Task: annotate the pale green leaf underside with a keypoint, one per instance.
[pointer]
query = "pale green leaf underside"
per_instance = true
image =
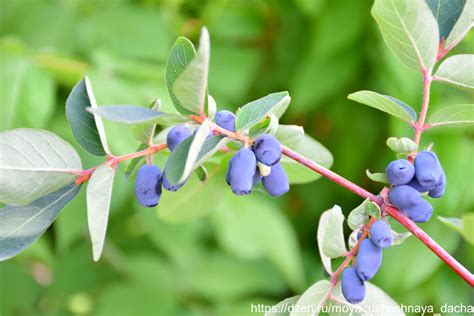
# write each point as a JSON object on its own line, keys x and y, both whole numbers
{"x": 457, "y": 70}
{"x": 410, "y": 31}
{"x": 34, "y": 163}
{"x": 377, "y": 176}
{"x": 331, "y": 234}
{"x": 131, "y": 114}
{"x": 99, "y": 194}
{"x": 358, "y": 216}
{"x": 454, "y": 115}
{"x": 290, "y": 135}
{"x": 312, "y": 299}
{"x": 283, "y": 308}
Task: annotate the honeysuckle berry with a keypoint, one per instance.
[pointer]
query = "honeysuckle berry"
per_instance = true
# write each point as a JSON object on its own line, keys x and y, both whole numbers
{"x": 439, "y": 189}
{"x": 400, "y": 171}
{"x": 226, "y": 120}
{"x": 419, "y": 213}
{"x": 241, "y": 171}
{"x": 404, "y": 196}
{"x": 267, "y": 149}
{"x": 380, "y": 234}
{"x": 172, "y": 187}
{"x": 369, "y": 260}
{"x": 416, "y": 185}
{"x": 176, "y": 135}
{"x": 276, "y": 183}
{"x": 353, "y": 288}
{"x": 428, "y": 170}
{"x": 148, "y": 185}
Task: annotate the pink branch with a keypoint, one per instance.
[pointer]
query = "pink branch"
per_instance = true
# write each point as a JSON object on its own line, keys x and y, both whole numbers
{"x": 420, "y": 125}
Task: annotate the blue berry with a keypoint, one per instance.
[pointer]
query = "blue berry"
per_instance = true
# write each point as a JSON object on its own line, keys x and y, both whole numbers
{"x": 241, "y": 171}
{"x": 267, "y": 149}
{"x": 353, "y": 288}
{"x": 369, "y": 260}
{"x": 176, "y": 135}
{"x": 416, "y": 185}
{"x": 404, "y": 196}
{"x": 439, "y": 189}
{"x": 428, "y": 170}
{"x": 226, "y": 120}
{"x": 400, "y": 171}
{"x": 148, "y": 185}
{"x": 172, "y": 187}
{"x": 419, "y": 213}
{"x": 380, "y": 234}
{"x": 276, "y": 183}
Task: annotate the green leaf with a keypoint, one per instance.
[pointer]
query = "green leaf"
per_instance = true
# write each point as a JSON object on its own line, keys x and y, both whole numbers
{"x": 201, "y": 173}
{"x": 146, "y": 131}
{"x": 290, "y": 135}
{"x": 399, "y": 238}
{"x": 284, "y": 307}
{"x": 358, "y": 216}
{"x": 131, "y": 114}
{"x": 268, "y": 126}
{"x": 313, "y": 299}
{"x": 377, "y": 177}
{"x": 446, "y": 12}
{"x": 87, "y": 128}
{"x": 99, "y": 194}
{"x": 20, "y": 226}
{"x": 311, "y": 149}
{"x": 464, "y": 225}
{"x": 454, "y": 115}
{"x": 210, "y": 147}
{"x": 409, "y": 30}
{"x": 462, "y": 26}
{"x": 190, "y": 87}
{"x": 331, "y": 233}
{"x": 34, "y": 163}
{"x": 457, "y": 70}
{"x": 385, "y": 103}
{"x": 373, "y": 210}
{"x": 134, "y": 164}
{"x": 255, "y": 111}
{"x": 402, "y": 145}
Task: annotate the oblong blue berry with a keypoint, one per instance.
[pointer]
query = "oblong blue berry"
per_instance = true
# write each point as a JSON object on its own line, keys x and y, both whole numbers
{"x": 420, "y": 213}
{"x": 400, "y": 171}
{"x": 428, "y": 170}
{"x": 404, "y": 196}
{"x": 439, "y": 189}
{"x": 267, "y": 149}
{"x": 369, "y": 260}
{"x": 353, "y": 288}
{"x": 172, "y": 187}
{"x": 380, "y": 234}
{"x": 242, "y": 168}
{"x": 416, "y": 185}
{"x": 226, "y": 120}
{"x": 276, "y": 183}
{"x": 176, "y": 135}
{"x": 148, "y": 185}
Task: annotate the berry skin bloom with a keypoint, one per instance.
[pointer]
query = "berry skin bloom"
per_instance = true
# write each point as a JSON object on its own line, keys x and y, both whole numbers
{"x": 267, "y": 149}
{"x": 353, "y": 288}
{"x": 404, "y": 196}
{"x": 428, "y": 170}
{"x": 421, "y": 212}
{"x": 400, "y": 171}
{"x": 369, "y": 260}
{"x": 148, "y": 185}
{"x": 176, "y": 135}
{"x": 226, "y": 120}
{"x": 380, "y": 234}
{"x": 241, "y": 171}
{"x": 276, "y": 183}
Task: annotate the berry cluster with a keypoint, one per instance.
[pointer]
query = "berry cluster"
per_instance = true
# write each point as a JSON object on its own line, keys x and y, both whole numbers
{"x": 368, "y": 261}
{"x": 409, "y": 180}
{"x": 243, "y": 172}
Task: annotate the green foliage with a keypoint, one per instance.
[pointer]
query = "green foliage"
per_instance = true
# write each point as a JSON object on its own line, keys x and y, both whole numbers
{"x": 457, "y": 70}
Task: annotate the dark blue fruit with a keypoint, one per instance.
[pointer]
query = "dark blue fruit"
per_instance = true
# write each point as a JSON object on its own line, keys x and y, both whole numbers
{"x": 404, "y": 196}
{"x": 421, "y": 212}
{"x": 353, "y": 288}
{"x": 416, "y": 185}
{"x": 267, "y": 149}
{"x": 400, "y": 171}
{"x": 369, "y": 259}
{"x": 172, "y": 187}
{"x": 148, "y": 185}
{"x": 257, "y": 177}
{"x": 439, "y": 189}
{"x": 380, "y": 234}
{"x": 226, "y": 120}
{"x": 176, "y": 135}
{"x": 428, "y": 170}
{"x": 241, "y": 171}
{"x": 276, "y": 183}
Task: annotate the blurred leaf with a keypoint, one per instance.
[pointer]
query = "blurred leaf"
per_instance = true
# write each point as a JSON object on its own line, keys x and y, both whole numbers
{"x": 210, "y": 147}
{"x": 399, "y": 238}
{"x": 134, "y": 163}
{"x": 253, "y": 112}
{"x": 331, "y": 233}
{"x": 446, "y": 12}
{"x": 462, "y": 26}
{"x": 464, "y": 225}
{"x": 377, "y": 176}
{"x": 414, "y": 44}
{"x": 290, "y": 135}
{"x": 87, "y": 128}
{"x": 401, "y": 145}
{"x": 201, "y": 173}
{"x": 99, "y": 194}
{"x": 312, "y": 300}
{"x": 267, "y": 126}
{"x": 385, "y": 103}
{"x": 457, "y": 70}
{"x": 20, "y": 226}
{"x": 34, "y": 163}
{"x": 454, "y": 115}
{"x": 283, "y": 308}
{"x": 358, "y": 216}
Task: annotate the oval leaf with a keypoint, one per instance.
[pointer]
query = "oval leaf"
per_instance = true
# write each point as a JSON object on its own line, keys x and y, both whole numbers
{"x": 457, "y": 70}
{"x": 401, "y": 145}
{"x": 332, "y": 232}
{"x": 377, "y": 176}
{"x": 20, "y": 226}
{"x": 455, "y": 115}
{"x": 88, "y": 129}
{"x": 358, "y": 216}
{"x": 99, "y": 194}
{"x": 409, "y": 30}
{"x": 290, "y": 135}
{"x": 462, "y": 26}
{"x": 313, "y": 299}
{"x": 446, "y": 13}
{"x": 34, "y": 163}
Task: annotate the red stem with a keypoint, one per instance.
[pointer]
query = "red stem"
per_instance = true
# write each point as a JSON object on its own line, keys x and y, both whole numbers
{"x": 420, "y": 125}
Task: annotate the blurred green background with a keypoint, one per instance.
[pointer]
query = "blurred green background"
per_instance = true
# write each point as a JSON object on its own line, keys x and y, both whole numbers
{"x": 249, "y": 250}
